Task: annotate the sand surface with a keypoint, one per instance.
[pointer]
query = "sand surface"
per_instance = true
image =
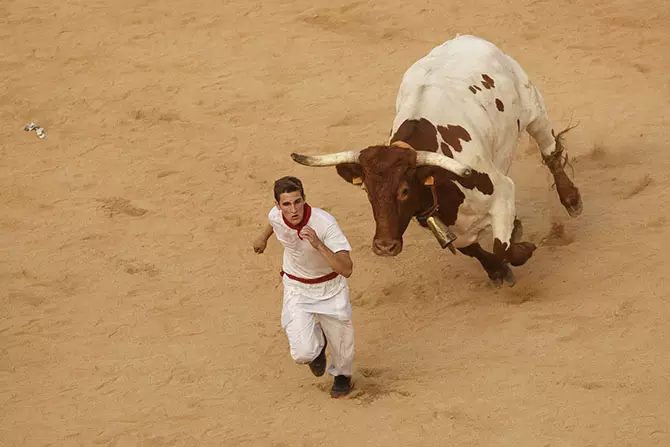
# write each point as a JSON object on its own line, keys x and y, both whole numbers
{"x": 133, "y": 311}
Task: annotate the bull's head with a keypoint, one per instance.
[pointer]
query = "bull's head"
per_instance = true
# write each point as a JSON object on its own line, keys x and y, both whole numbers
{"x": 394, "y": 178}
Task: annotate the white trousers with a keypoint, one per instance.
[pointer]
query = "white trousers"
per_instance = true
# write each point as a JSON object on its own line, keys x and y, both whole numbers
{"x": 305, "y": 319}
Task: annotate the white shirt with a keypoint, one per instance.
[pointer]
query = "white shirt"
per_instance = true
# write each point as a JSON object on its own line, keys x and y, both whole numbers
{"x": 303, "y": 260}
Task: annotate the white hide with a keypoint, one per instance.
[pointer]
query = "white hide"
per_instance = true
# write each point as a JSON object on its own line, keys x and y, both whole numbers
{"x": 437, "y": 88}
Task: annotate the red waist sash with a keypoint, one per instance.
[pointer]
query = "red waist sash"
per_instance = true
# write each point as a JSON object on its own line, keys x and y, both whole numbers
{"x": 320, "y": 279}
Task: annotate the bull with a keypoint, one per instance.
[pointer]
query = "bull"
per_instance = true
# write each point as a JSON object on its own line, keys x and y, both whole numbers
{"x": 460, "y": 110}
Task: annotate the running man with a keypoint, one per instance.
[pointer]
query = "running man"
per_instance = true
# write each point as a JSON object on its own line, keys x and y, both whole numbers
{"x": 316, "y": 310}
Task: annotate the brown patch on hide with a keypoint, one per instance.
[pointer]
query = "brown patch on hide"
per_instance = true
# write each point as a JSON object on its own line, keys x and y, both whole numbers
{"x": 478, "y": 180}
{"x": 445, "y": 150}
{"x": 452, "y": 135}
{"x": 488, "y": 82}
{"x": 420, "y": 134}
{"x": 449, "y": 196}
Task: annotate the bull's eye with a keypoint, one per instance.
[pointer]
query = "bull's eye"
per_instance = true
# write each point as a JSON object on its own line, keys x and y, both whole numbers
{"x": 404, "y": 192}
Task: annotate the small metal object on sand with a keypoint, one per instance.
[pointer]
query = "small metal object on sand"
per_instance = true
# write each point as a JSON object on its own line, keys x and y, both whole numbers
{"x": 38, "y": 130}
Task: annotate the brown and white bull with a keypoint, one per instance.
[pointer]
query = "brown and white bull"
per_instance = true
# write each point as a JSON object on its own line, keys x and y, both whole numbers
{"x": 459, "y": 113}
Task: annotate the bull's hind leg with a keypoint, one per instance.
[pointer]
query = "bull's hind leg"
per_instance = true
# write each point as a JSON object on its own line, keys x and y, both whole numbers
{"x": 554, "y": 156}
{"x": 507, "y": 229}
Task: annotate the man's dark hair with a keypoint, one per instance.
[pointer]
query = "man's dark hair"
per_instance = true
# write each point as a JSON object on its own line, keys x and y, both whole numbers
{"x": 288, "y": 184}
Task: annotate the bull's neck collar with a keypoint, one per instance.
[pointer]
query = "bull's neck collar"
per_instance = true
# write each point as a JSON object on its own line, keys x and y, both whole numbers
{"x": 423, "y": 215}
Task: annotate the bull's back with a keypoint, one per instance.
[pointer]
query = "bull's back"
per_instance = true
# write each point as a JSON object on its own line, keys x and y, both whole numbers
{"x": 468, "y": 82}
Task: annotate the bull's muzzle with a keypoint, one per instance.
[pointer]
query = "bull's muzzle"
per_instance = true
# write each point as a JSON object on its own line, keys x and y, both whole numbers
{"x": 383, "y": 247}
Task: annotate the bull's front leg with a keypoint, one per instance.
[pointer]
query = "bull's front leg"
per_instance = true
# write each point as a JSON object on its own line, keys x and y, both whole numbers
{"x": 507, "y": 230}
{"x": 497, "y": 270}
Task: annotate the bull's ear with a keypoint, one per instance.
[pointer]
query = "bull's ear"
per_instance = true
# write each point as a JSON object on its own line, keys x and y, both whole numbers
{"x": 427, "y": 174}
{"x": 351, "y": 172}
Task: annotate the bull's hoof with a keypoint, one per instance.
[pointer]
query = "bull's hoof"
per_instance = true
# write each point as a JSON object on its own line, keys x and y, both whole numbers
{"x": 509, "y": 277}
{"x": 574, "y": 205}
{"x": 569, "y": 195}
{"x": 505, "y": 275}
{"x": 496, "y": 281}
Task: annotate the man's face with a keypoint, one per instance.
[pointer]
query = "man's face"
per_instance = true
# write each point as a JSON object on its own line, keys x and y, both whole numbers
{"x": 292, "y": 206}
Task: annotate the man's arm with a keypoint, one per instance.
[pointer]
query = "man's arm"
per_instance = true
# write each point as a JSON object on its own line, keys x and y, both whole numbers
{"x": 262, "y": 240}
{"x": 340, "y": 262}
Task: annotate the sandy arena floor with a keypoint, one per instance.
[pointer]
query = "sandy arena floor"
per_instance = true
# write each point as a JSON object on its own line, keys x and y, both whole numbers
{"x": 135, "y": 313}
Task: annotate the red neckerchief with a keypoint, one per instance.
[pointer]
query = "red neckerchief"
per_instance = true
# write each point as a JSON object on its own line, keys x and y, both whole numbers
{"x": 303, "y": 222}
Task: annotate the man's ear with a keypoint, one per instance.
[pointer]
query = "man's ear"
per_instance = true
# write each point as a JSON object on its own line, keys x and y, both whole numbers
{"x": 351, "y": 172}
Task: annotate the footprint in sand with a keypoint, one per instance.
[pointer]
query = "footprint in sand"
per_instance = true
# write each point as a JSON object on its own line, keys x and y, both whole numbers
{"x": 118, "y": 205}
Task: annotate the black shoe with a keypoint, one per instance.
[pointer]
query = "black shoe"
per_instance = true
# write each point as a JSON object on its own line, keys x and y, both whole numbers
{"x": 318, "y": 365}
{"x": 341, "y": 386}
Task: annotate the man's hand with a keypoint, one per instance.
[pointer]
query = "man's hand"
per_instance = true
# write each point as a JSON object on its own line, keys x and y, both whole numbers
{"x": 309, "y": 234}
{"x": 339, "y": 262}
{"x": 262, "y": 241}
{"x": 260, "y": 244}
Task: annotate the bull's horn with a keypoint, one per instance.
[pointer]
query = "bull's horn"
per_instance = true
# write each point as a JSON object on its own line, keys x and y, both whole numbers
{"x": 424, "y": 158}
{"x": 326, "y": 160}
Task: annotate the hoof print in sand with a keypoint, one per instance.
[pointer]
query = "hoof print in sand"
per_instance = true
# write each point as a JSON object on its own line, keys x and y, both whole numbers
{"x": 118, "y": 205}
{"x": 557, "y": 236}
